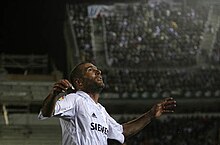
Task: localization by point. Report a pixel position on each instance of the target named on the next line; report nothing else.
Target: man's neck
(94, 96)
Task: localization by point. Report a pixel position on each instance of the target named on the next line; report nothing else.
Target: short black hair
(75, 73)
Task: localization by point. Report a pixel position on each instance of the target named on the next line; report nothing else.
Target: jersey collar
(86, 96)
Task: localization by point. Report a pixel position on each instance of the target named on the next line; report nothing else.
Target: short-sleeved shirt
(85, 122)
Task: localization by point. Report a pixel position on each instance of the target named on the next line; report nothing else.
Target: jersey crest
(61, 98)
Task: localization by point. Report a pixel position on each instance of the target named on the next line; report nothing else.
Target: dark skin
(91, 82)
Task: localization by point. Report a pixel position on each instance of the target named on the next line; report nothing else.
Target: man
(83, 120)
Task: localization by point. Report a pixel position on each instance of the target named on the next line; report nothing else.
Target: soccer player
(84, 121)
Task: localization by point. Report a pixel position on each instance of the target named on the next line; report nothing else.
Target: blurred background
(147, 50)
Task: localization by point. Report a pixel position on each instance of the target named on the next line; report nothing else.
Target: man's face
(92, 78)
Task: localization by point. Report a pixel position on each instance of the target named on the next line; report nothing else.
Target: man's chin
(101, 87)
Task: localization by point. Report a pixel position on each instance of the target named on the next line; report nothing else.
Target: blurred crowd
(155, 35)
(78, 15)
(185, 130)
(152, 48)
(197, 82)
(146, 34)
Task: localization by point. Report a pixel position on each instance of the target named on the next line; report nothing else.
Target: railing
(25, 63)
(23, 92)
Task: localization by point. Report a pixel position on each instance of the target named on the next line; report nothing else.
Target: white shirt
(84, 122)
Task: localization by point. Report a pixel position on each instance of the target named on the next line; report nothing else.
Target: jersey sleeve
(115, 129)
(65, 107)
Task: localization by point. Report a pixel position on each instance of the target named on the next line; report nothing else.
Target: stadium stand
(216, 50)
(80, 22)
(30, 135)
(166, 80)
(184, 130)
(165, 39)
(25, 81)
(168, 37)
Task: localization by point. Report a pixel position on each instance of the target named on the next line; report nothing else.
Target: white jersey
(84, 122)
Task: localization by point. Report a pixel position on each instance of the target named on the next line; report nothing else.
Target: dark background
(36, 27)
(33, 27)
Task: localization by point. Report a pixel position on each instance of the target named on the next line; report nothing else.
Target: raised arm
(50, 101)
(134, 126)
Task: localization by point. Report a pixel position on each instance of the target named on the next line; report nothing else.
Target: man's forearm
(49, 105)
(134, 126)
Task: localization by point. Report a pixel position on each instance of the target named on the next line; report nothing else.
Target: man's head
(87, 77)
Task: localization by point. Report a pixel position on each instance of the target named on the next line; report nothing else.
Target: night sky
(33, 27)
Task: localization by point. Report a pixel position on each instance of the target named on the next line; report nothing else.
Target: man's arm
(134, 126)
(49, 102)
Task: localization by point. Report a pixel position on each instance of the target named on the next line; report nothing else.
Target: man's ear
(79, 82)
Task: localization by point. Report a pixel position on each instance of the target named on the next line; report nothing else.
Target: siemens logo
(99, 127)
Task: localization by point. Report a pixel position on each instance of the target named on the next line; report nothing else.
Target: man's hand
(61, 86)
(166, 106)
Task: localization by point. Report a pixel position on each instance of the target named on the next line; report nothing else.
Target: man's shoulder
(73, 96)
(70, 96)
